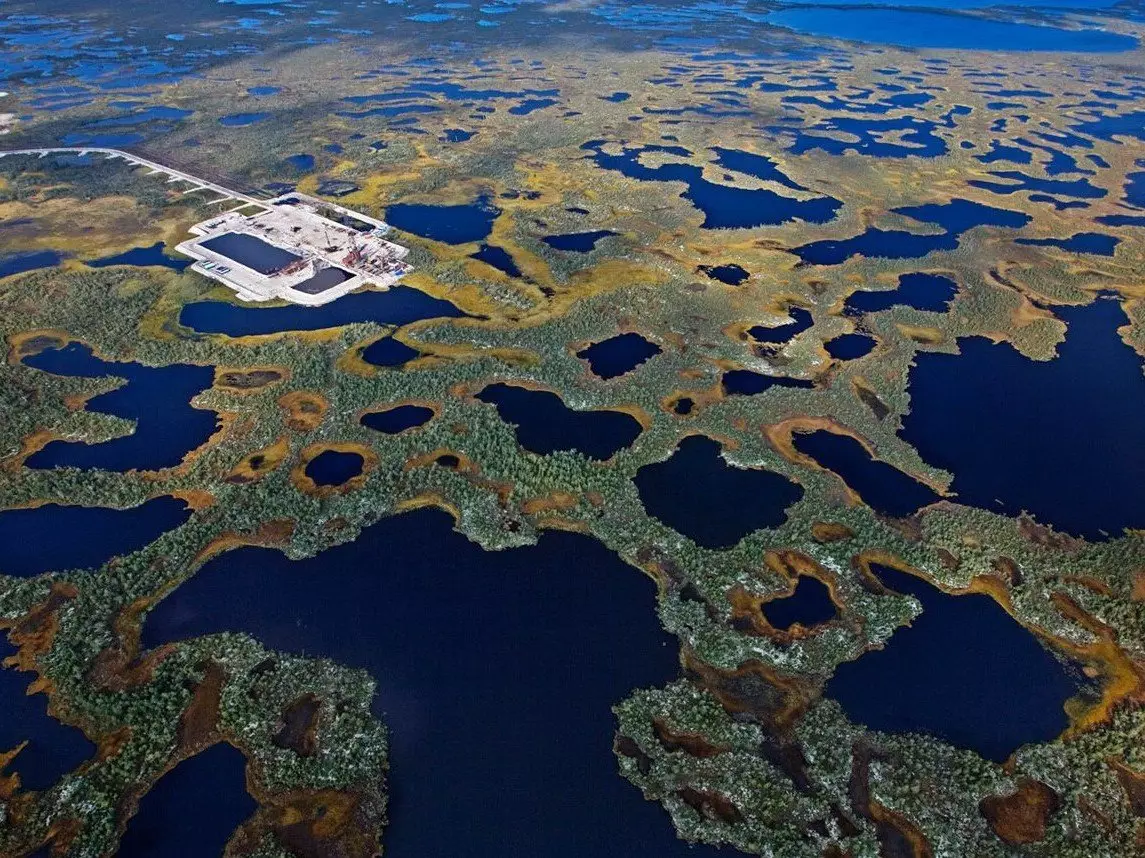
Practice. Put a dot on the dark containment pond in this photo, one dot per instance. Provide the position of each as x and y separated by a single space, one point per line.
333 467
732 275
618 355
920 291
397 306
450 224
193 810
916 28
95 534
964 671
388 352
544 424
526 677
142 256
850 346
745 382
54 749
322 280
399 419
18 263
577 242
800 321
697 493
251 251
810 605
881 486
158 399
1060 439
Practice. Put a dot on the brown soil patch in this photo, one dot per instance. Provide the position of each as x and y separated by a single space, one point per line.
310 824
692 744
825 532
260 463
1021 818
298 730
250 380
198 726
305 409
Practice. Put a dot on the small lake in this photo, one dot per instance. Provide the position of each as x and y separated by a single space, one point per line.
731 274
392 421
1059 438
18 263
801 320
917 28
388 352
577 242
535 774
448 224
964 671
158 399
850 346
334 468
142 256
193 809
397 306
618 355
697 493
54 749
544 424
723 206
809 605
882 487
95 534
920 291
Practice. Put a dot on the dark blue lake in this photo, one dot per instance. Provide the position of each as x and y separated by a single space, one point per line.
913 28
18 263
724 206
388 352
881 486
54 749
697 493
918 290
618 355
732 275
801 320
167 428
850 346
333 467
578 242
963 671
449 224
536 773
397 306
499 258
544 424
398 419
95 534
809 605
142 256
193 809
1059 438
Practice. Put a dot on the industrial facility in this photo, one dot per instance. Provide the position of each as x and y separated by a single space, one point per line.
296 248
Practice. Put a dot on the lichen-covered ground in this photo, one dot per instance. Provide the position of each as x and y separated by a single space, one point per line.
770 162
